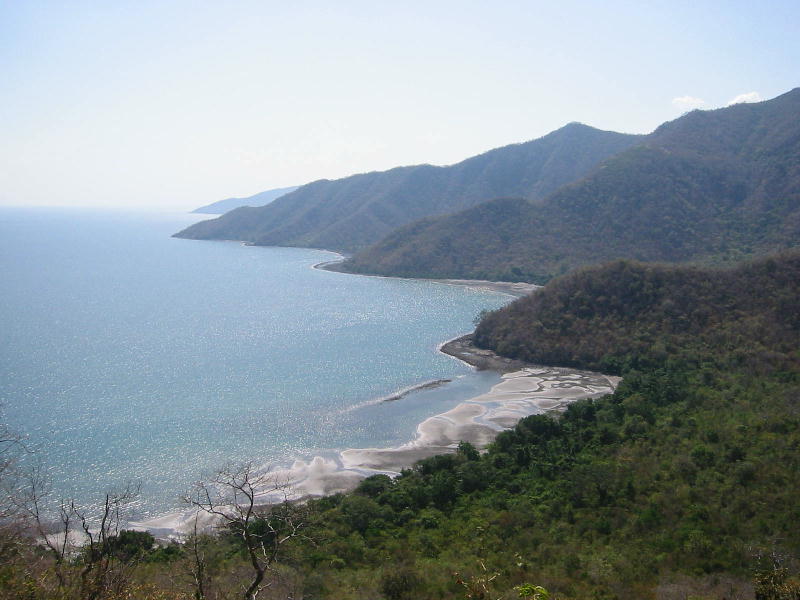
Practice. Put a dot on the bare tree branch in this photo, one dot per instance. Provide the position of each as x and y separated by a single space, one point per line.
79 536
12 449
232 496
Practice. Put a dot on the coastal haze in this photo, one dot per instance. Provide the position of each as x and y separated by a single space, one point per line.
132 356
526 323
184 103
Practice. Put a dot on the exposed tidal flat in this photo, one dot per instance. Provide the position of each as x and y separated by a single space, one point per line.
130 356
529 390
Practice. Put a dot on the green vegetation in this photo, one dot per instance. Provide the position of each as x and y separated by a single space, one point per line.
713 187
352 213
627 315
683 483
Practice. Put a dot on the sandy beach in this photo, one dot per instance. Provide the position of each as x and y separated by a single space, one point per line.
524 390
512 288
528 391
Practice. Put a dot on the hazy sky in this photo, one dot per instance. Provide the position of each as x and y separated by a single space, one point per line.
178 104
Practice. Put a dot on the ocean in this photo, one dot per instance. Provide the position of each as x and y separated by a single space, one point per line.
128 356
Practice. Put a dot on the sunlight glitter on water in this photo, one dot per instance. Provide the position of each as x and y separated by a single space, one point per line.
130 355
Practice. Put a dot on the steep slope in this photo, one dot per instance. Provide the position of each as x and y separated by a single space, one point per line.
260 199
681 484
351 213
710 186
601 317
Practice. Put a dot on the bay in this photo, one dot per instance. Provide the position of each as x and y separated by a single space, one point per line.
131 356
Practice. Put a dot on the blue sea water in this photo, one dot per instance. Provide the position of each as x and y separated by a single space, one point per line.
130 356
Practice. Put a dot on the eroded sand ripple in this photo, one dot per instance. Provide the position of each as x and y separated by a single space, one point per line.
531 390
521 393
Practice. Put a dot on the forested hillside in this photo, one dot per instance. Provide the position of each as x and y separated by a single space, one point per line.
710 187
351 213
682 484
679 485
605 317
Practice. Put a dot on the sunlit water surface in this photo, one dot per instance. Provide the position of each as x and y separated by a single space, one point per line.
130 356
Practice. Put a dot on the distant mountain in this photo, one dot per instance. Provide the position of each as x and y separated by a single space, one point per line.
262 198
711 186
352 213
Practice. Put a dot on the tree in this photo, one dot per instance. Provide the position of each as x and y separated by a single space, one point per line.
12 448
198 566
257 507
81 541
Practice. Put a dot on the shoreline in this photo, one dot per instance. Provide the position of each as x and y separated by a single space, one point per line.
464 350
525 389
517 289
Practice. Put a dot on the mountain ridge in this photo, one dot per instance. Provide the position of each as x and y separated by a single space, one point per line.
354 212
711 186
260 199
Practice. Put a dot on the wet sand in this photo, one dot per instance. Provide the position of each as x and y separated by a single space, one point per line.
464 350
512 288
524 391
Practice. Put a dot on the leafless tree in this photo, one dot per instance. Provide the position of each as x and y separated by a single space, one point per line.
256 506
76 532
102 572
198 568
12 447
12 533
